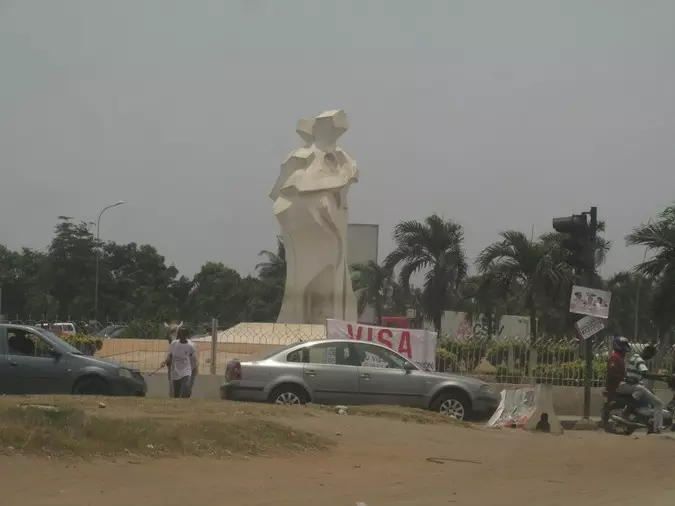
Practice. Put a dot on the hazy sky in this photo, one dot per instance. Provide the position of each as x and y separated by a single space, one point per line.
497 114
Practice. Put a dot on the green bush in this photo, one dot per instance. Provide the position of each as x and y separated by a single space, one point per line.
86 344
570 373
557 362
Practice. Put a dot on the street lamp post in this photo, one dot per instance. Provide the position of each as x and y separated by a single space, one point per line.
98 254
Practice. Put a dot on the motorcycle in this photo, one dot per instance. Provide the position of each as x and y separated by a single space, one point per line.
625 414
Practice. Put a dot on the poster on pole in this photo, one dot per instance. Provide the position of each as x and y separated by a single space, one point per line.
590 302
588 326
417 345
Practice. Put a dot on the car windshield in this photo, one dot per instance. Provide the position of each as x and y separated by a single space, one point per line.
106 331
56 339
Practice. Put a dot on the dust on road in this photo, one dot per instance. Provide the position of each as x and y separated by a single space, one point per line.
377 461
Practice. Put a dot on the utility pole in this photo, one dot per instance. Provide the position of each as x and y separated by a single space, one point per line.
590 274
98 254
582 239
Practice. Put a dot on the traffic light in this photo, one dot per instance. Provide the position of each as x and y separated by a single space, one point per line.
576 225
579 239
575 242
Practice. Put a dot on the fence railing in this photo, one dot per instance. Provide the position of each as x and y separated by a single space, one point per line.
506 361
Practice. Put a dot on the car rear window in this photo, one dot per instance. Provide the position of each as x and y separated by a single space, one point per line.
267 354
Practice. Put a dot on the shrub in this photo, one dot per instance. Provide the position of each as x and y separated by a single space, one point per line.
86 344
557 361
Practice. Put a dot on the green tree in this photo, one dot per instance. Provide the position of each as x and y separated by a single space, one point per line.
274 267
264 300
136 283
19 282
561 243
70 269
436 248
401 299
373 286
535 267
628 290
272 275
483 300
658 237
218 292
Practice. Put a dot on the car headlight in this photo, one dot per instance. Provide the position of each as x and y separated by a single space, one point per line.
125 373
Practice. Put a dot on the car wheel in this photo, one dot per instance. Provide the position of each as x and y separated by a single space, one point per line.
452 403
91 386
288 395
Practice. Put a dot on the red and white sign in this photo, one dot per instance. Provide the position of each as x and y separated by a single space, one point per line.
419 346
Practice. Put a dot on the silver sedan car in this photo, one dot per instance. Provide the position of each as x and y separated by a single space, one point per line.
331 371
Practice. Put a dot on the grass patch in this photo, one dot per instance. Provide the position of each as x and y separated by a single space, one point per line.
68 431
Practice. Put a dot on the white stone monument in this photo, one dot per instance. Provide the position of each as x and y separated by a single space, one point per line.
310 203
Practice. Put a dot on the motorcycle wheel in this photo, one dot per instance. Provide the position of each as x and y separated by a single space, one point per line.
626 431
618 428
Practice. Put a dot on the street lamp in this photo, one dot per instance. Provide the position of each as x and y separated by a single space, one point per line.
98 253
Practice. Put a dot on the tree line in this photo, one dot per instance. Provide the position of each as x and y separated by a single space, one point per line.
517 274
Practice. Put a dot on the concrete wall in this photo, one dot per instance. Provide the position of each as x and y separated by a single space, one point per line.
455 325
362 243
567 401
362 247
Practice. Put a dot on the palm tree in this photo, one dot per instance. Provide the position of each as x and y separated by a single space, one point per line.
274 268
534 266
436 247
483 300
632 296
373 286
659 237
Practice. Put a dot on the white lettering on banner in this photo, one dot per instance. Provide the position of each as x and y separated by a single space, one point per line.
419 346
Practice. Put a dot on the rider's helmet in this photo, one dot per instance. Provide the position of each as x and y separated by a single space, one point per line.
648 352
621 344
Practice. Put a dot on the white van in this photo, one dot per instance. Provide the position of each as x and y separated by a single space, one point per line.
67 328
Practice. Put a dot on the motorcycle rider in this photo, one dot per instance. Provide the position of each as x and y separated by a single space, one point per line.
636 372
616 372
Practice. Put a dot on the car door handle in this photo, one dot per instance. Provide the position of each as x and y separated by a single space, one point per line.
365 376
310 372
12 363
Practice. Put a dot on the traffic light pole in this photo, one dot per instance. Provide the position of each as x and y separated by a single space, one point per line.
590 280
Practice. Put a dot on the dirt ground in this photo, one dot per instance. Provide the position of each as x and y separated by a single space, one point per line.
377 461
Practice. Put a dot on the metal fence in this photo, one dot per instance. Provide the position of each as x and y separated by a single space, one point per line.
517 361
508 361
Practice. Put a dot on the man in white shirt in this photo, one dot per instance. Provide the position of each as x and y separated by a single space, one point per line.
182 363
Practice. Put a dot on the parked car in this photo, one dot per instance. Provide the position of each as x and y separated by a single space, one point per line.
331 371
63 328
35 361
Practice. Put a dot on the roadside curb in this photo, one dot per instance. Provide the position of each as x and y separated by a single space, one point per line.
575 425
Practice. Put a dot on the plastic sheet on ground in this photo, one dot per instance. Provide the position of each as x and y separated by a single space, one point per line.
529 407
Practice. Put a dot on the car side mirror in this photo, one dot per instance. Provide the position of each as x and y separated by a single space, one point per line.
408 367
54 354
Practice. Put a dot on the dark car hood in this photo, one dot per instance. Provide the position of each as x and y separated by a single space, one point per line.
97 360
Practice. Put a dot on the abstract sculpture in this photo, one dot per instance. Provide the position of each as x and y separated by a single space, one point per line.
310 203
